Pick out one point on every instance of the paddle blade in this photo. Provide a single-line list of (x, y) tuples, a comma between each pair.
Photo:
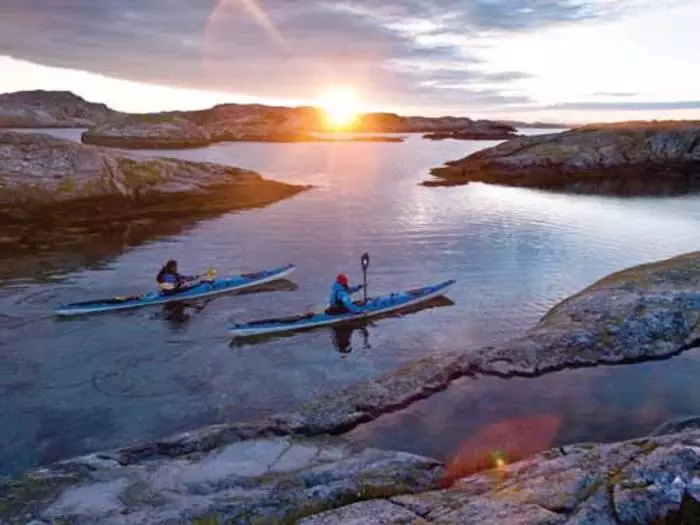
[(364, 260)]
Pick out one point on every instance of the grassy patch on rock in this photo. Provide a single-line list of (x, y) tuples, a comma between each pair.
[(141, 173)]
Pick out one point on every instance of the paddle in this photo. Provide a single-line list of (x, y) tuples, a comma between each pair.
[(364, 261), (210, 276)]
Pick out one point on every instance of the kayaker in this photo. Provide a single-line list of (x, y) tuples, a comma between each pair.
[(169, 279), (339, 300)]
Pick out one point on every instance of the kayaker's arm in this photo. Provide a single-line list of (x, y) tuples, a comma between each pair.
[(345, 298), (354, 289)]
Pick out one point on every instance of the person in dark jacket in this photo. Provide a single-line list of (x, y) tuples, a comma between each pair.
[(339, 300), (170, 280)]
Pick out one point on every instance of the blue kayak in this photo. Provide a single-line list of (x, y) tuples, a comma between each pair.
[(205, 288), (374, 307)]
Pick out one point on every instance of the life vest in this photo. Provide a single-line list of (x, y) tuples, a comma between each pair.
[(166, 280), (337, 301)]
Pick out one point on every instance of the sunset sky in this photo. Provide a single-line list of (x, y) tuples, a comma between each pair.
[(565, 60)]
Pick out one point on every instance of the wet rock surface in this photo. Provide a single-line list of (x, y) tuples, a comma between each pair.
[(326, 481), (634, 158), (275, 480), (646, 480)]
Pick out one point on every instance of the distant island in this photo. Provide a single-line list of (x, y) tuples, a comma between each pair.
[(227, 122), (623, 158)]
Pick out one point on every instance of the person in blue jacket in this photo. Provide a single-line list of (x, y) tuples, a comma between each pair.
[(170, 280), (339, 300)]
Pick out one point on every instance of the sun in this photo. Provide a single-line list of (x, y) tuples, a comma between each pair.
[(341, 107)]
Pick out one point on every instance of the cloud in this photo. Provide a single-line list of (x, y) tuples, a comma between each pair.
[(618, 94), (492, 15), (628, 106), (397, 51)]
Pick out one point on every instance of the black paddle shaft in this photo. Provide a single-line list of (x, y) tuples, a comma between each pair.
[(365, 264)]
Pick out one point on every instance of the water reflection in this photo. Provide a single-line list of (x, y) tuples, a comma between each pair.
[(501, 442), (341, 337), (177, 314), (59, 251), (479, 419)]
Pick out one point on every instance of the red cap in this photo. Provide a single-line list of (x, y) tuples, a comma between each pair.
[(342, 279)]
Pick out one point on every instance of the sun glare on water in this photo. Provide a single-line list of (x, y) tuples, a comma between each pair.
[(341, 107)]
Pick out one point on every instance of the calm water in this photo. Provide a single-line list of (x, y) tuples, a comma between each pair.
[(80, 385), (606, 403)]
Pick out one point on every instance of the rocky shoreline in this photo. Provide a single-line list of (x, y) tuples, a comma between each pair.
[(650, 479), (223, 123), (624, 159), (57, 192), (235, 472), (256, 123)]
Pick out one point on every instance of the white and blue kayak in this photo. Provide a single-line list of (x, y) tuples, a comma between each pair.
[(374, 307), (205, 288)]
